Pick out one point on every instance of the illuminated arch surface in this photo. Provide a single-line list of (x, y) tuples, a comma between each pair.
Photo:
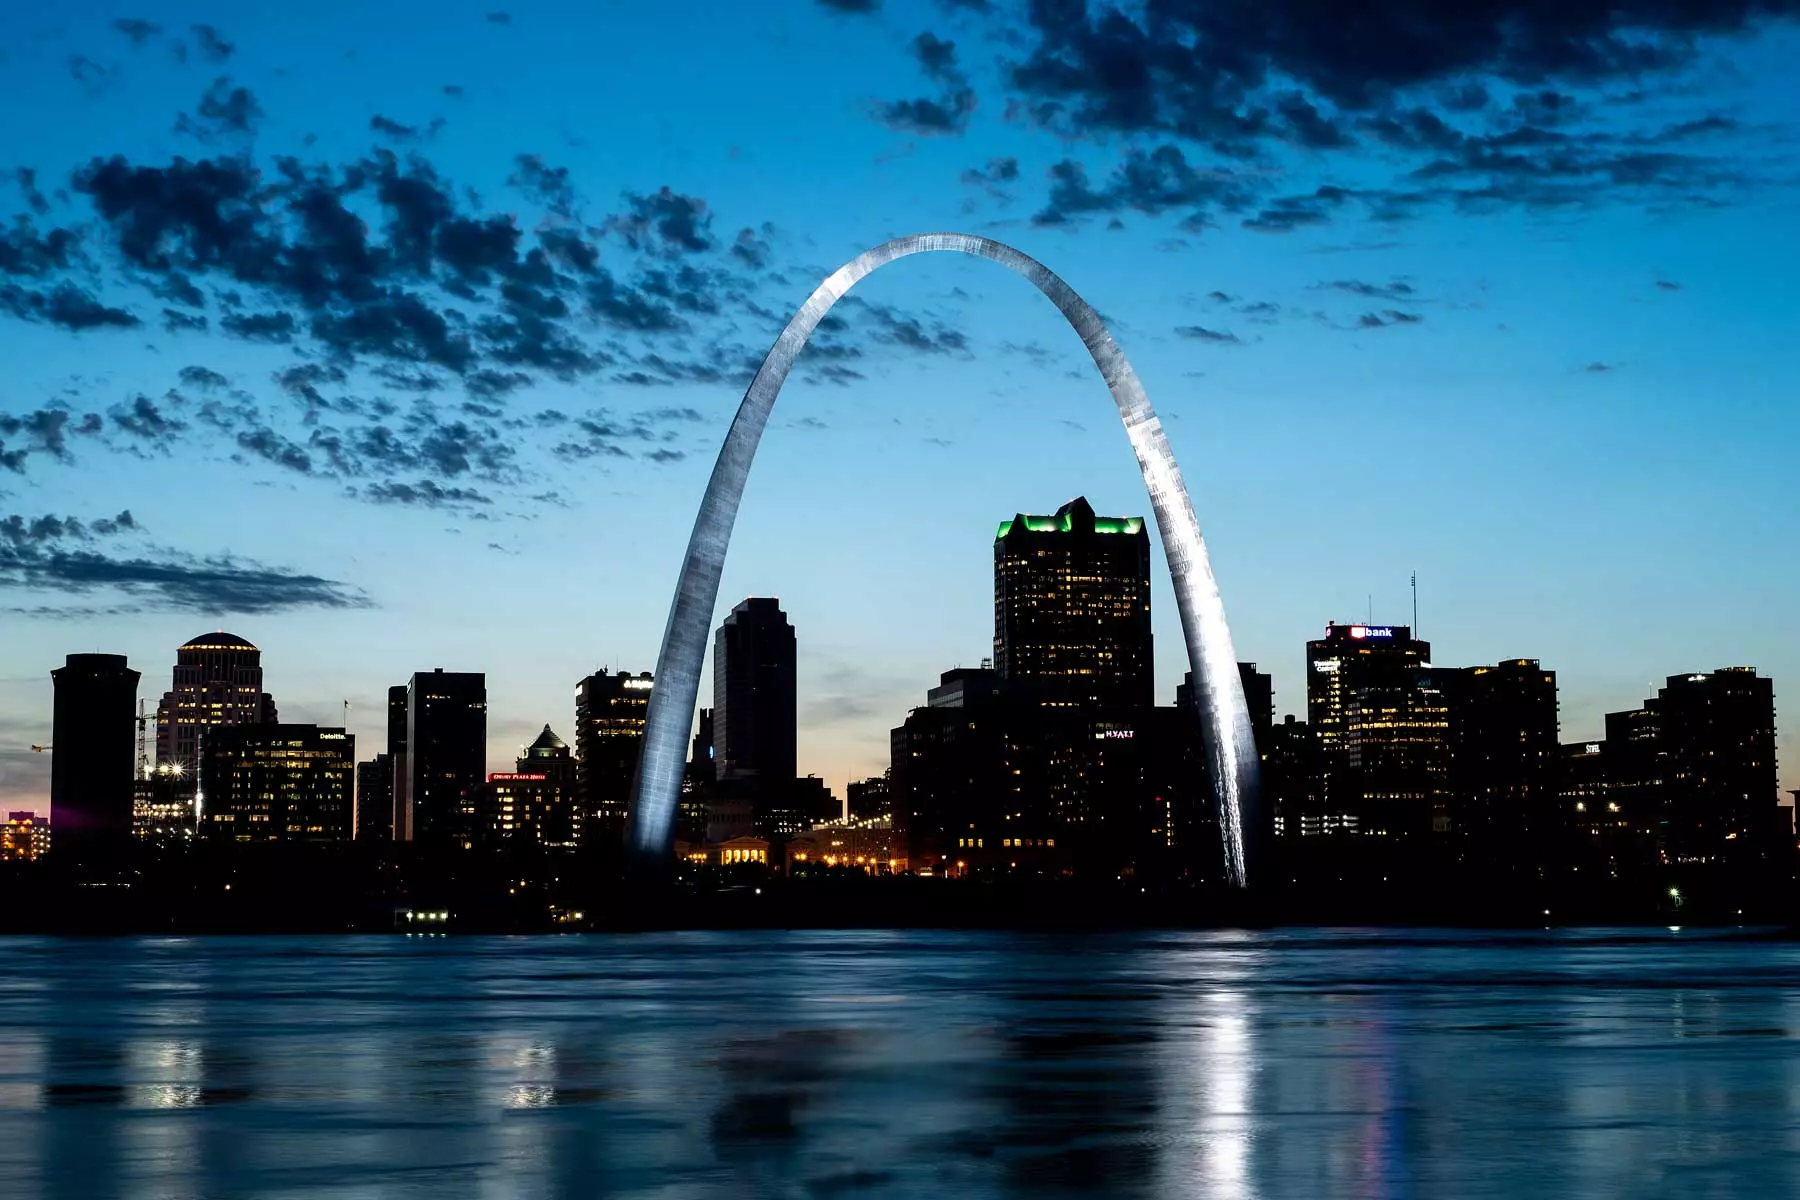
[(1218, 691)]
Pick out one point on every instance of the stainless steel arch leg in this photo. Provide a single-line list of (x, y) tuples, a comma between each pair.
[(1218, 691)]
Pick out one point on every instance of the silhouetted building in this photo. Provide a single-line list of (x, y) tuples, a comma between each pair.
[(870, 799), (1718, 765), (1072, 608), (272, 782), (755, 720), (1505, 807), (399, 765), (1292, 783), (24, 837), (610, 710), (960, 779), (375, 799), (446, 750), (535, 803), (218, 681), (92, 752)]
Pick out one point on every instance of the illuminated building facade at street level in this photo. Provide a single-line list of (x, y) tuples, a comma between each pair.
[(446, 752), (218, 680), (277, 783), (375, 799), (400, 779), (165, 805), (610, 708), (1717, 739), (1504, 751), (536, 802), (92, 751), (24, 837), (866, 844), (1230, 751), (1072, 609)]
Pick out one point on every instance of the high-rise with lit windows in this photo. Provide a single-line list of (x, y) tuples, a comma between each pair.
[(1379, 726), (610, 710), (446, 753), (218, 681), (277, 783), (1072, 608)]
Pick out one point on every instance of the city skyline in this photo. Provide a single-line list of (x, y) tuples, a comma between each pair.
[(1525, 422)]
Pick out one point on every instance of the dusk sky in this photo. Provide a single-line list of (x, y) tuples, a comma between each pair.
[(402, 335)]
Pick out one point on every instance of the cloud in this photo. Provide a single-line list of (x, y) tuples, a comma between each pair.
[(145, 422), (139, 32), (499, 18), (1386, 318), (66, 305), (549, 186), (664, 221), (946, 113), (260, 327), (59, 554), (852, 6), (394, 131), (46, 431), (1150, 182), (1667, 285), (1203, 334), (423, 494), (212, 45), (1599, 368), (1394, 290), (223, 111)]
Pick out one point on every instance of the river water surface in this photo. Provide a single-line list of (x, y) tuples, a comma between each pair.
[(1312, 1063)]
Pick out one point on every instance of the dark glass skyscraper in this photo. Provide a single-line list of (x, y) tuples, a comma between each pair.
[(1505, 807), (1718, 764), (279, 783), (1072, 608), (446, 751), (375, 799), (399, 768), (755, 726), (92, 752), (610, 709)]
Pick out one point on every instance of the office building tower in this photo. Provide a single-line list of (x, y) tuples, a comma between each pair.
[(375, 799), (1505, 807), (1072, 609), (610, 710), (165, 805), (1717, 738), (400, 780), (755, 720), (218, 681), (92, 752), (870, 799), (959, 775), (535, 803), (277, 783), (1367, 669), (446, 753), (1259, 697)]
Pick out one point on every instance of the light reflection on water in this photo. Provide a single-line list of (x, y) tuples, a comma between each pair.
[(1229, 1065)]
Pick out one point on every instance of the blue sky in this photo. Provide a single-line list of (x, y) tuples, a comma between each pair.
[(1499, 295)]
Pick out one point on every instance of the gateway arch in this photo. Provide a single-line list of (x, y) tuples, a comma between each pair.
[(1218, 691)]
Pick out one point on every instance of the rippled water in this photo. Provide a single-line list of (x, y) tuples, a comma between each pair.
[(1303, 1063)]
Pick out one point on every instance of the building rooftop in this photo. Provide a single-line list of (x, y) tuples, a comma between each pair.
[(548, 740), (217, 641), (1076, 513)]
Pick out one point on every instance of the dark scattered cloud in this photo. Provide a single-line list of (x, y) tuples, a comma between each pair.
[(1151, 182), (1387, 317), (137, 31), (1667, 285), (851, 6), (548, 185), (93, 77), (424, 494), (664, 222), (260, 327), (1599, 368), (1394, 290), (66, 304), (499, 18), (224, 110), (1201, 333), (149, 425), (43, 431), (395, 131), (213, 46), (947, 112)]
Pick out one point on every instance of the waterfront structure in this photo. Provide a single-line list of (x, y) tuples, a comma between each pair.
[(277, 783), (375, 799), (535, 803), (1227, 736), (446, 753), (92, 751), (1072, 609), (24, 837), (866, 844), (609, 735), (218, 680)]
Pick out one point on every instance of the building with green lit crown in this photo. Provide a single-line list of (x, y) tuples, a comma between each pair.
[(1072, 608)]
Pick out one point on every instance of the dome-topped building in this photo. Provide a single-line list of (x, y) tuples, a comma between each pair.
[(218, 681)]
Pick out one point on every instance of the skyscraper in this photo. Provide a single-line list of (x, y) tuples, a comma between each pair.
[(1505, 750), (218, 681), (1718, 756), (375, 799), (446, 752), (400, 777), (755, 722), (92, 752), (609, 734), (273, 782), (1072, 608), (1370, 677)]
